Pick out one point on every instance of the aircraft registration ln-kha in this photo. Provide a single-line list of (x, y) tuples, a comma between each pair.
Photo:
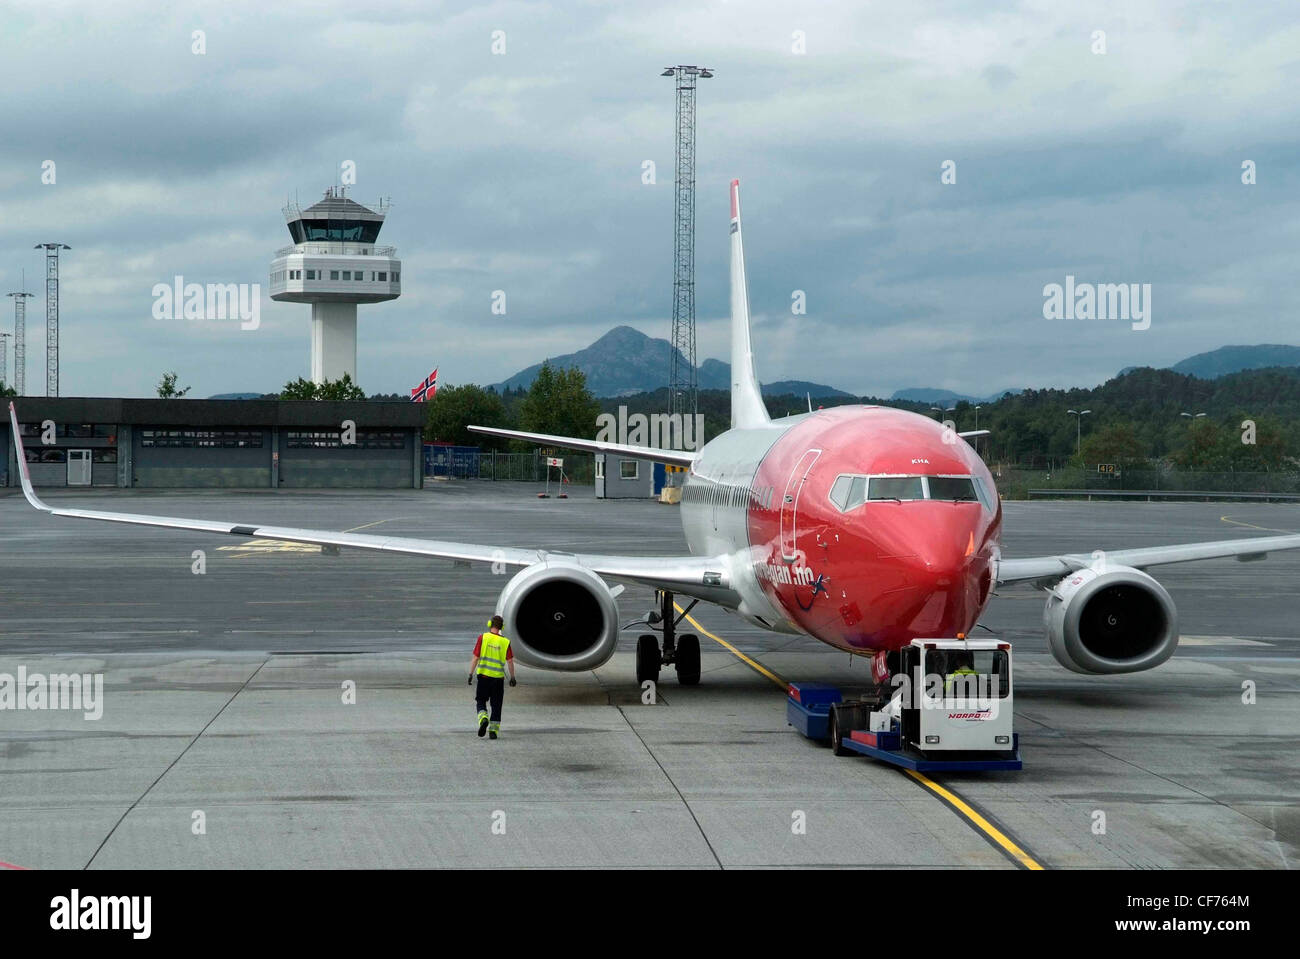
[(862, 526)]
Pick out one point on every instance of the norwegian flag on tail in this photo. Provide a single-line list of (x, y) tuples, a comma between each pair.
[(426, 389)]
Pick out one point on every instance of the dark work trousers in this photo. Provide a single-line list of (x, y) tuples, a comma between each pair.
[(490, 689)]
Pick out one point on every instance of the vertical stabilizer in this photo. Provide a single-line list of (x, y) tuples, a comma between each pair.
[(747, 409)]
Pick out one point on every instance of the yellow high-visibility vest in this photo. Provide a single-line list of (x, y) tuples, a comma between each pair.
[(492, 655), (952, 677)]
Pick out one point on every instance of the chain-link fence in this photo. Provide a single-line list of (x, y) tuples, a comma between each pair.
[(1015, 482), (469, 462), (578, 468)]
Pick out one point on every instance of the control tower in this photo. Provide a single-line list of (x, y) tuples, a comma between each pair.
[(334, 264)]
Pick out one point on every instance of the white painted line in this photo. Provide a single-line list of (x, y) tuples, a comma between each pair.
[(1219, 641)]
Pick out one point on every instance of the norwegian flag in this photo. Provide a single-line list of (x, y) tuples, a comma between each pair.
[(426, 389)]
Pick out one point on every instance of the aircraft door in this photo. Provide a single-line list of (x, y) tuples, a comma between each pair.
[(790, 503)]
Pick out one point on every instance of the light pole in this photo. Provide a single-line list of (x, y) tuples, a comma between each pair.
[(1078, 430), (1191, 416), (683, 375), (936, 409), (52, 314)]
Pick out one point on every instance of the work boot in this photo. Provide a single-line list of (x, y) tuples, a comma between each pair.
[(492, 730), (492, 735), (482, 725)]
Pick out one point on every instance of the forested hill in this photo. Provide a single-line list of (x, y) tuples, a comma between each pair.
[(1134, 417)]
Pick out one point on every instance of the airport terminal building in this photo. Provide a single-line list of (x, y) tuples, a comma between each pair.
[(242, 444)]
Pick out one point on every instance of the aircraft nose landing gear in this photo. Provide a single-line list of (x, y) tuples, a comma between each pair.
[(683, 653)]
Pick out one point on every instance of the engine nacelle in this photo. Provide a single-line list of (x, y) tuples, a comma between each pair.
[(560, 616), (1118, 620)]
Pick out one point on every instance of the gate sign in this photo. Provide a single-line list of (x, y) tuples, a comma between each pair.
[(554, 461), (1105, 467)]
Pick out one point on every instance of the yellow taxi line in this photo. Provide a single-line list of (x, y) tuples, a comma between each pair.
[(958, 804), (734, 651), (265, 545), (976, 819), (1266, 529)]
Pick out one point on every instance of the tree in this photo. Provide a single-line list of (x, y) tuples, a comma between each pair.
[(339, 390), (1115, 443), (299, 389), (453, 409), (7, 390), (167, 388), (1204, 448), (560, 403), (1266, 448), (332, 390)]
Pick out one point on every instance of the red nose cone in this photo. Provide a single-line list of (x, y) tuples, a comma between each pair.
[(940, 574)]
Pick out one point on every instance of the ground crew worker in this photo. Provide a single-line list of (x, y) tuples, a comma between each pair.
[(492, 656), (963, 665)]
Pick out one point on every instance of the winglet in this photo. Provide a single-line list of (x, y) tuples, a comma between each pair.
[(23, 472), (747, 408)]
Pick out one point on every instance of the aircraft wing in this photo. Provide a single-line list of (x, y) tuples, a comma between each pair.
[(671, 457), (706, 577), (1047, 569)]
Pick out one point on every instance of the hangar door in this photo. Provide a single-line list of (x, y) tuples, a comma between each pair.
[(165, 456), (377, 459)]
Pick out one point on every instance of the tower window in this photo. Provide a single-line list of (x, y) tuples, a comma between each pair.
[(383, 277), (334, 274)]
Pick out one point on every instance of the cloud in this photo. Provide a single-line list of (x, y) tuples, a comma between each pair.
[(523, 173)]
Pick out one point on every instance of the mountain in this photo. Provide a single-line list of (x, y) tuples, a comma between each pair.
[(236, 396), (1234, 359), (922, 394), (713, 374), (801, 388), (625, 362), (622, 362)]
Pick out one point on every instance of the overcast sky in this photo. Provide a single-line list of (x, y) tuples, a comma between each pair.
[(523, 172)]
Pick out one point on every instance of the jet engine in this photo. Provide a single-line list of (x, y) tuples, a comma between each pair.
[(560, 615), (1111, 620)]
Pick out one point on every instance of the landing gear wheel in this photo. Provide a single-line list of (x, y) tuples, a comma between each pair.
[(647, 659), (688, 660), (836, 725)]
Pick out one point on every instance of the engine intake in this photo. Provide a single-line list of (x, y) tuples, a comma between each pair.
[(560, 616), (1116, 620)]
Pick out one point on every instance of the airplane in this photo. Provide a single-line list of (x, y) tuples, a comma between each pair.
[(864, 527)]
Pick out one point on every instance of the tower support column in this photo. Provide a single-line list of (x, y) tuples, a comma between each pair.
[(333, 341)]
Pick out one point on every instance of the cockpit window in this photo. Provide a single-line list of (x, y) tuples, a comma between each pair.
[(858, 492), (840, 491), (896, 487), (952, 489), (848, 492)]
